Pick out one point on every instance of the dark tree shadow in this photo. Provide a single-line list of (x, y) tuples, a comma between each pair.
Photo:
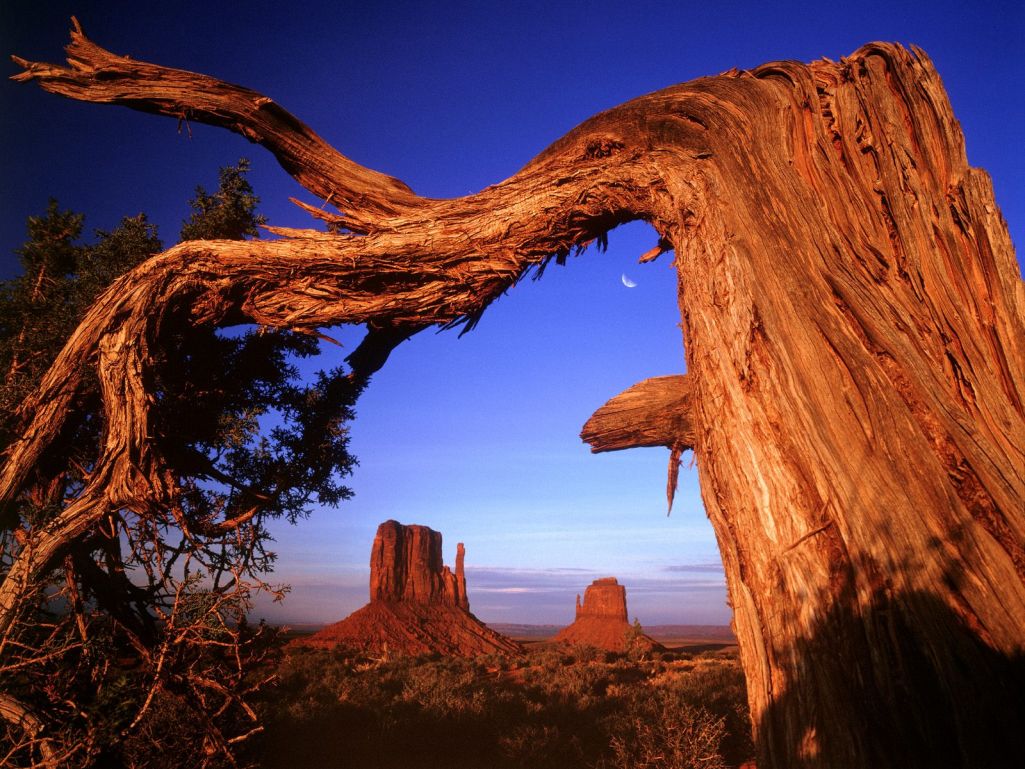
[(905, 683)]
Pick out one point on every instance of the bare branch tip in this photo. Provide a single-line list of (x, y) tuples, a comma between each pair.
[(27, 67), (650, 255)]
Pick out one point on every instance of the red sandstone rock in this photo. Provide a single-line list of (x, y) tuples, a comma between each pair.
[(405, 565), (417, 605), (384, 627), (461, 599), (602, 620), (603, 598)]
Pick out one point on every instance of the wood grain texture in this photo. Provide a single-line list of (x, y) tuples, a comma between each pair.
[(655, 412), (854, 325)]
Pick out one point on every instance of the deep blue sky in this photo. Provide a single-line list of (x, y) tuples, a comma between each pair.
[(477, 437)]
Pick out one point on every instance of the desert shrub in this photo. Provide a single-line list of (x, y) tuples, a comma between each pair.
[(540, 746), (716, 683), (172, 724), (665, 733), (555, 708), (581, 683)]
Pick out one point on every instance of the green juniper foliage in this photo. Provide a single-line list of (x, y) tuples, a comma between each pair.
[(143, 622), (60, 278), (228, 214)]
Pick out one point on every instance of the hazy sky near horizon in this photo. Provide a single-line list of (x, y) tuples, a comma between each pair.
[(477, 436)]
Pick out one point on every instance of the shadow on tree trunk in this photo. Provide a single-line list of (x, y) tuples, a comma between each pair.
[(919, 703)]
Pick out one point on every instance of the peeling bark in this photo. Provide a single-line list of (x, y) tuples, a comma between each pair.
[(854, 323)]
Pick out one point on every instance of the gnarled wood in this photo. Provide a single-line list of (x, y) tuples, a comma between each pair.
[(20, 717), (96, 75), (854, 324), (655, 412)]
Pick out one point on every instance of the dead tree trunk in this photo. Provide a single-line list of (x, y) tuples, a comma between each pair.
[(853, 320), (854, 323)]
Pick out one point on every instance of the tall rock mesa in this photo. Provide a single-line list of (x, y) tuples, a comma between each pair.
[(417, 604), (406, 566)]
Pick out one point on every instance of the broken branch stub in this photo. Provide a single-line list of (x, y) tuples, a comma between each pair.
[(655, 412)]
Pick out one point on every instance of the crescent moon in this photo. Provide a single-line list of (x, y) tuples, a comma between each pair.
[(627, 282)]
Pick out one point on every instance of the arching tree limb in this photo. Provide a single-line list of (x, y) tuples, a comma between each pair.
[(466, 253), (97, 75), (311, 280)]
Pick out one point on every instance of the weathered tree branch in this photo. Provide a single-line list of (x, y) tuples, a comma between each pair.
[(466, 252), (312, 280), (19, 716), (655, 412), (97, 75)]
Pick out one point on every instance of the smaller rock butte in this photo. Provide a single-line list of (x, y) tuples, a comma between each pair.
[(601, 620), (417, 604)]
